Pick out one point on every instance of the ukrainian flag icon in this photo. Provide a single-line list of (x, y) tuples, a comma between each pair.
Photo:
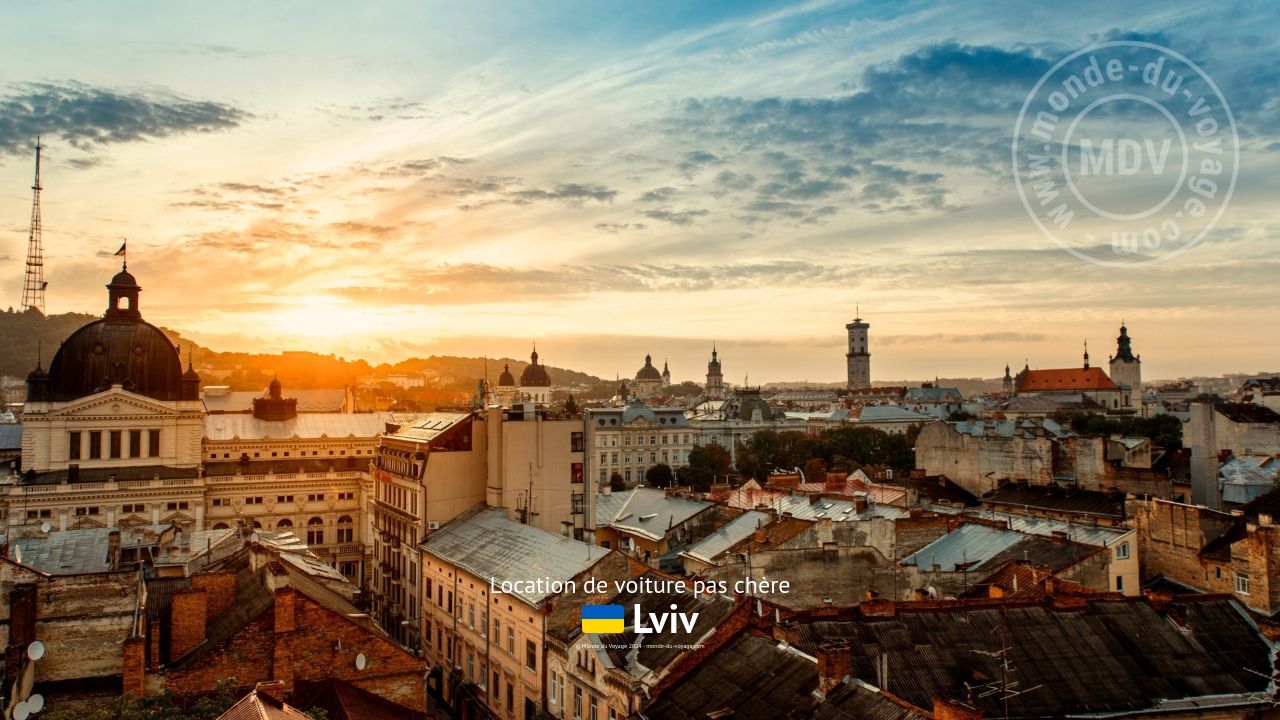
[(603, 619)]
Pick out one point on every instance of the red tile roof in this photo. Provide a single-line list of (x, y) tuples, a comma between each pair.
[(1091, 378)]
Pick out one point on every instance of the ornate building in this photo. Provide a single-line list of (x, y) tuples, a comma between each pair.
[(649, 382), (858, 357), (535, 383), (1126, 371), (715, 378), (630, 439)]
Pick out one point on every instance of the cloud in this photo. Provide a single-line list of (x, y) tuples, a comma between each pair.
[(676, 217), (615, 228), (88, 117), (657, 195), (574, 193)]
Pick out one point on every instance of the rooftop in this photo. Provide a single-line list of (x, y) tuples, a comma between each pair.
[(1100, 656), (1058, 499), (1068, 379), (218, 399), (648, 512), (979, 548), (306, 426), (84, 551), (487, 544), (712, 546)]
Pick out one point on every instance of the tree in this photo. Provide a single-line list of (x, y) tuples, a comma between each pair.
[(958, 415), (660, 476), (815, 470), (707, 464), (616, 483)]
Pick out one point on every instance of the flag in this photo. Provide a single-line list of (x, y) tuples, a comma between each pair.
[(603, 619), (120, 252)]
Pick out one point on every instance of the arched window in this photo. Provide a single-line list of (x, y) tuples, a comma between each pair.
[(346, 529), (284, 523), (221, 526), (315, 531), (257, 525)]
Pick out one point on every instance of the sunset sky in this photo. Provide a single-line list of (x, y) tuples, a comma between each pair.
[(387, 180)]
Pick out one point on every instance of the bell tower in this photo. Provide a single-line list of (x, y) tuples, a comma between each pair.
[(1126, 370), (858, 356)]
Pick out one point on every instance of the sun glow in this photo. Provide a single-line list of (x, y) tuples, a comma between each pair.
[(322, 316)]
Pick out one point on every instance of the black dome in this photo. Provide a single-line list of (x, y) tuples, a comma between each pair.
[(133, 353), (121, 348), (506, 379), (534, 375), (648, 372)]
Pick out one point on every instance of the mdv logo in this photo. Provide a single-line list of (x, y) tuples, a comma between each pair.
[(1123, 156), (664, 621)]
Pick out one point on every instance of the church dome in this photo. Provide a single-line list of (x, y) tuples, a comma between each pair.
[(121, 348), (648, 372), (506, 379), (535, 375)]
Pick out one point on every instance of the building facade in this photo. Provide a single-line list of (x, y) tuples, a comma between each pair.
[(630, 439)]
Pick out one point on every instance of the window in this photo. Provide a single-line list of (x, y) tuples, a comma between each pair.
[(221, 526), (1119, 583), (95, 445), (511, 697), (221, 502), (346, 529), (73, 445), (315, 497), (497, 628), (594, 714), (182, 505), (346, 496), (133, 508), (1122, 551), (284, 523), (82, 511), (153, 443), (253, 500), (484, 623), (135, 443), (116, 438), (575, 442), (575, 472), (530, 655), (555, 677), (577, 701), (1242, 583), (35, 515), (284, 498), (315, 531), (511, 641)]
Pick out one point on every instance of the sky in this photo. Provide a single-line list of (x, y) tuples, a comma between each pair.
[(388, 180)]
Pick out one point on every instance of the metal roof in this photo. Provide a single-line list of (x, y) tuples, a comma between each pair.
[(10, 436), (75, 552), (491, 546), (650, 512), (968, 544), (732, 532), (1098, 535), (305, 426), (429, 426)]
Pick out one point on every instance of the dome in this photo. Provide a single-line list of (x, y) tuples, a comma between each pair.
[(506, 379), (535, 375), (121, 348), (132, 353), (648, 372)]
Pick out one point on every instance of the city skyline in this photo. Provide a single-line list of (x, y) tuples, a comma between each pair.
[(611, 182)]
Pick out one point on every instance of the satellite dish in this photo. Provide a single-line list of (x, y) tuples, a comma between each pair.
[(35, 650), (35, 703), (360, 661), (45, 527), (21, 711)]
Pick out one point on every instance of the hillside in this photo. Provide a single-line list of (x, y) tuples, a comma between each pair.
[(23, 333)]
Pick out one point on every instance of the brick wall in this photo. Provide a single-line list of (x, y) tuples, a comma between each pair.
[(134, 670), (189, 612), (220, 587)]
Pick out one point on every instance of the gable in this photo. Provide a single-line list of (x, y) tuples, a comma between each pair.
[(114, 403)]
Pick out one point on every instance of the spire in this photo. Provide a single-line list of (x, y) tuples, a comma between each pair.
[(1124, 348), (1086, 354), (33, 284)]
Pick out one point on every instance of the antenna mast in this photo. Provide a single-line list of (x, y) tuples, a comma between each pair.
[(33, 284)]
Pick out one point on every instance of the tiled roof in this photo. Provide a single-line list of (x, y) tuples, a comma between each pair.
[(1248, 413), (1090, 378), (260, 706), (489, 545), (344, 701), (859, 701)]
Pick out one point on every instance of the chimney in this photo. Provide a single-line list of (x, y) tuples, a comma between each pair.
[(273, 689), (759, 536), (113, 550), (947, 709), (835, 665), (188, 612), (134, 668)]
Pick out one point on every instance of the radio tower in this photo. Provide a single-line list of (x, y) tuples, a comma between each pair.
[(34, 284)]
